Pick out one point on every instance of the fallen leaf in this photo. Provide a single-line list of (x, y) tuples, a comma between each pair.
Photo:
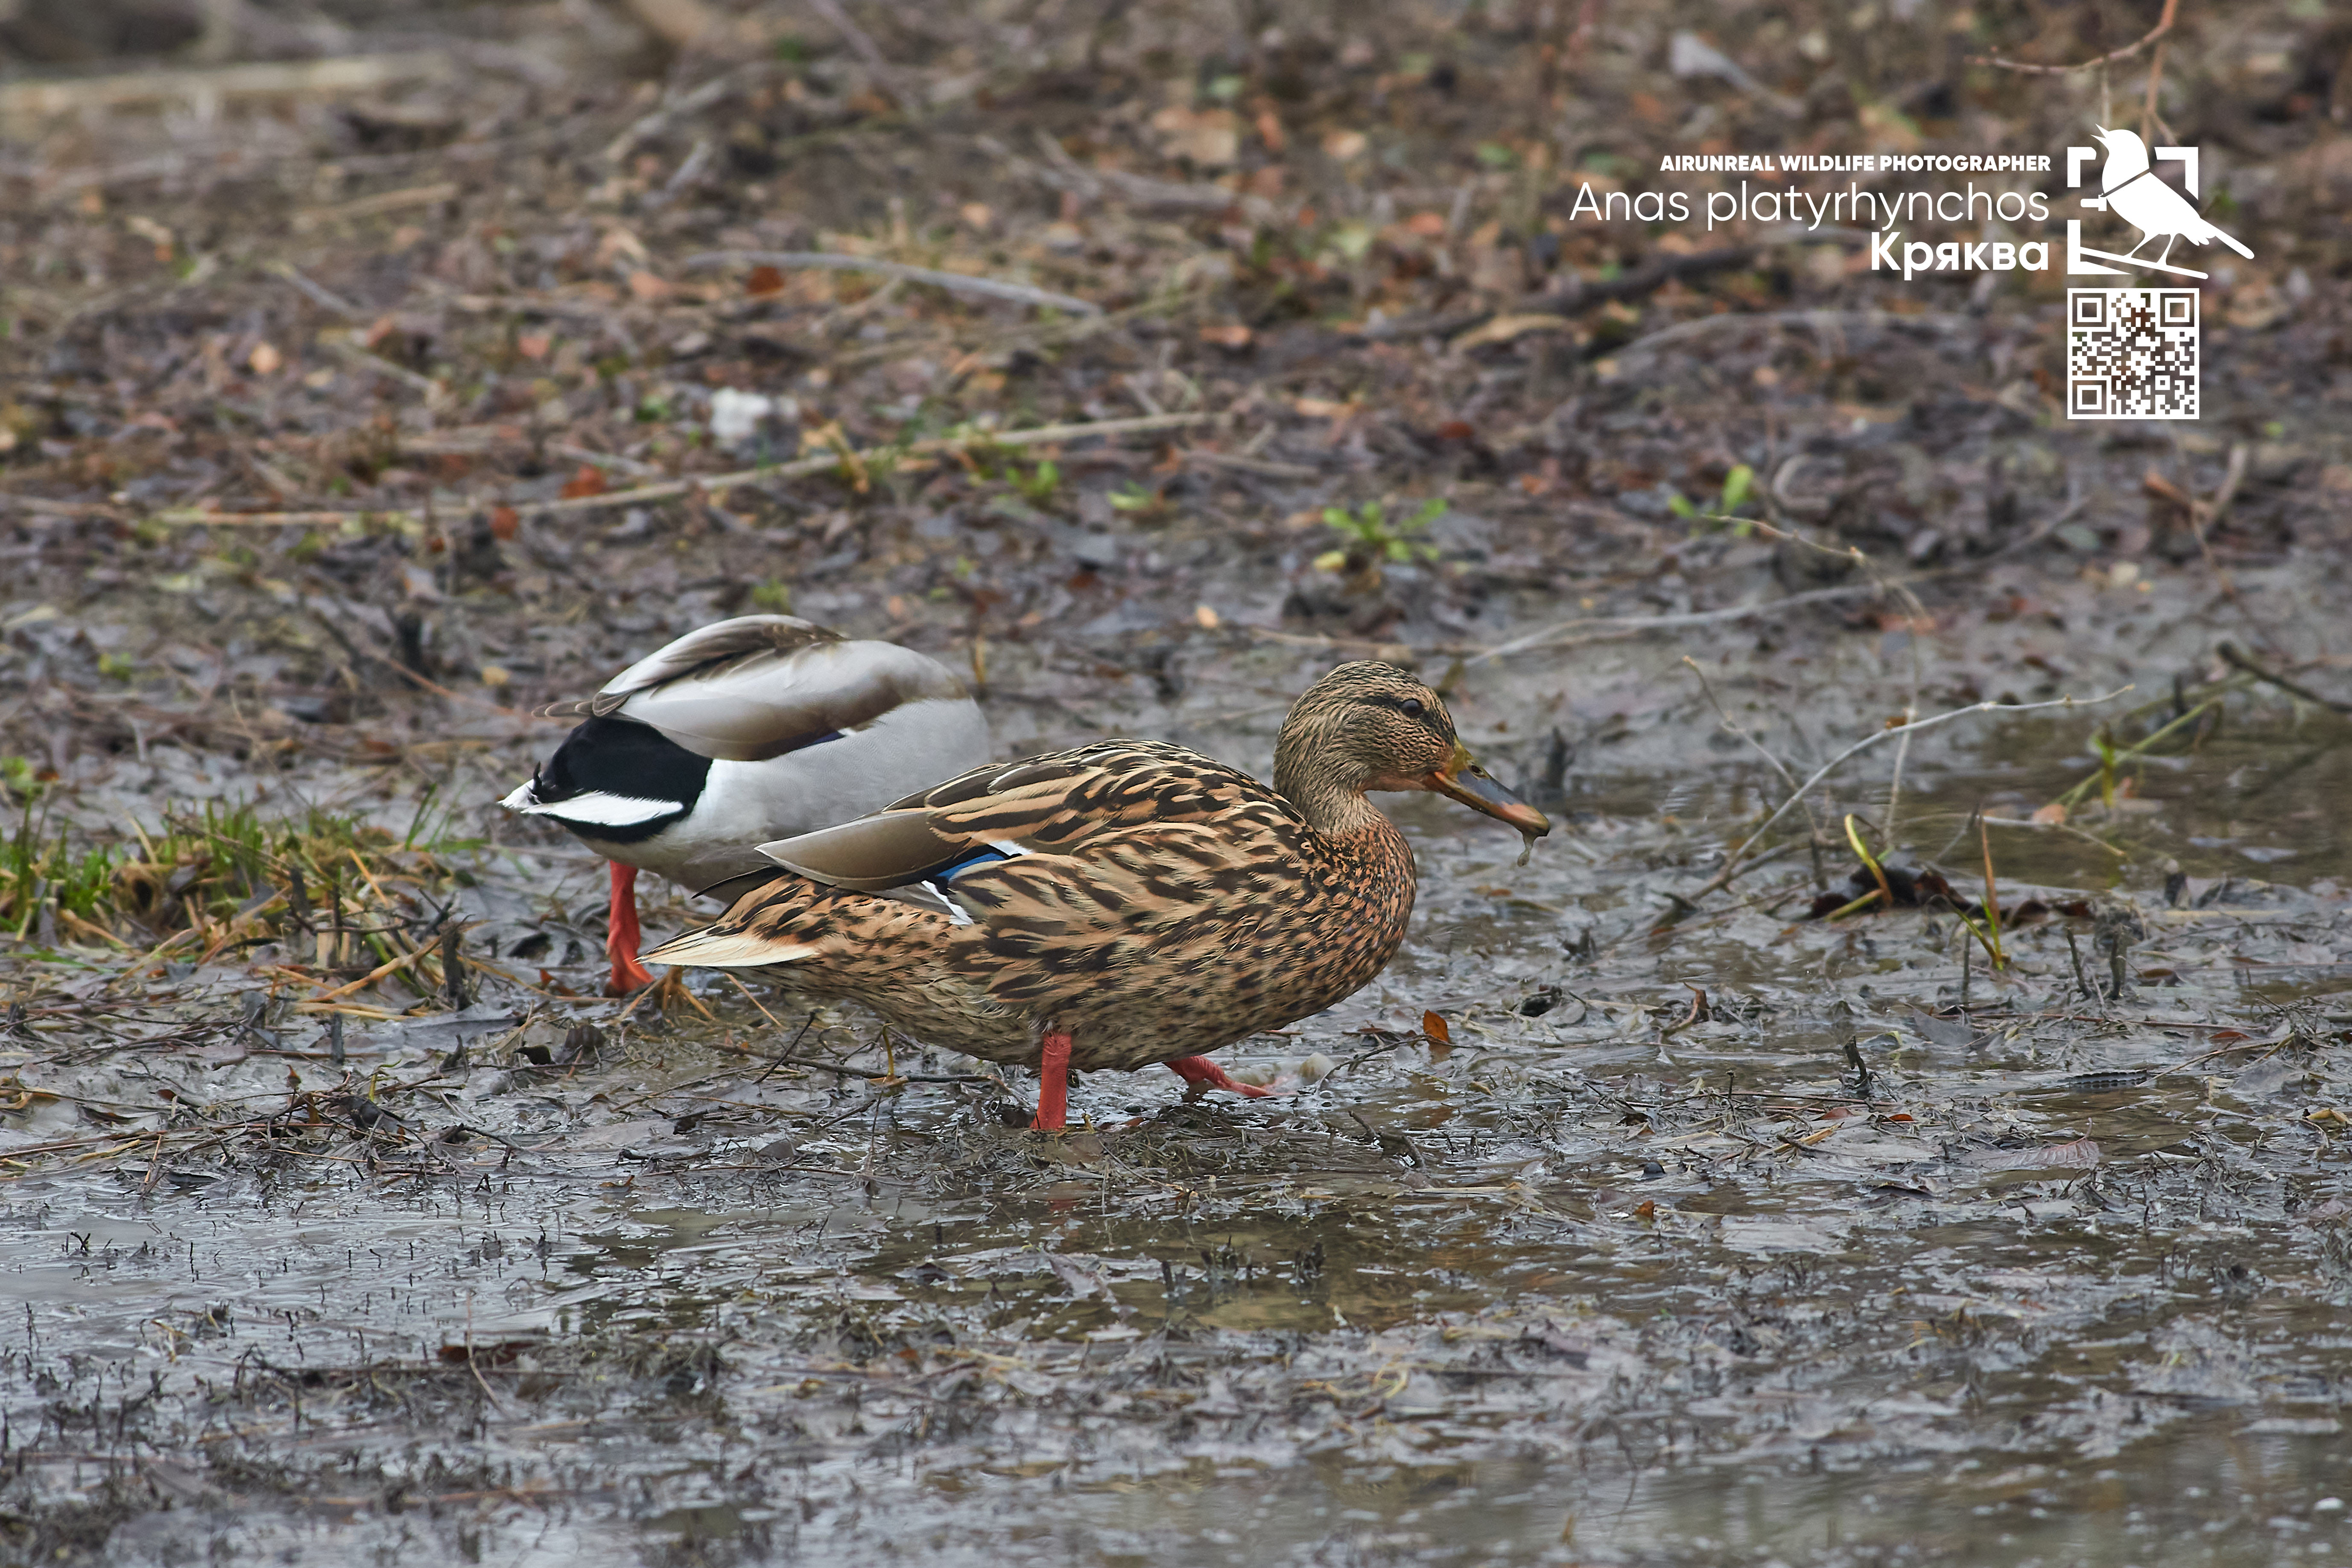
[(2050, 816), (533, 346), (505, 522), (1227, 335), (648, 287), (1345, 145), (1205, 617), (1270, 131), (1433, 1025), (1429, 225), (1209, 138), (265, 359), (620, 244), (155, 234), (763, 279), (589, 481)]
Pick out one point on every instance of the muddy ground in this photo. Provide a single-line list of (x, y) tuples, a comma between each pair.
[(1654, 1207)]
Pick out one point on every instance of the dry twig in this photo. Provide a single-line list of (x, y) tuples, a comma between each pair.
[(2163, 25), (670, 489), (954, 282)]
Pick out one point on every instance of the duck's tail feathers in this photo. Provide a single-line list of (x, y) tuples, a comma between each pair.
[(718, 947), (771, 922)]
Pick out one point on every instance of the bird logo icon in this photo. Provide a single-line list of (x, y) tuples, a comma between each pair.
[(2128, 188)]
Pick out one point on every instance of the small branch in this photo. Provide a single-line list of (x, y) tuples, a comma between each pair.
[(1778, 766), (2163, 25), (1915, 725), (671, 489), (380, 972), (2139, 748), (1597, 628), (819, 1065), (954, 282), (862, 44), (2235, 655), (1735, 727), (1702, 326), (1610, 626), (2069, 830), (372, 206), (2148, 109), (425, 387), (354, 73), (323, 298), (682, 107)]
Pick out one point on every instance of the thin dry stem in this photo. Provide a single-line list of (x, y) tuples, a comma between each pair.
[(2163, 25)]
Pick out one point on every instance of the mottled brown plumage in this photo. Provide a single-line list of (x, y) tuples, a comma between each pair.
[(1143, 900)]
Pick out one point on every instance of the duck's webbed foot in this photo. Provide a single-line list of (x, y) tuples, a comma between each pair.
[(1205, 1074)]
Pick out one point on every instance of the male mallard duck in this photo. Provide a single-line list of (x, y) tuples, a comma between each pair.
[(1121, 903), (739, 731)]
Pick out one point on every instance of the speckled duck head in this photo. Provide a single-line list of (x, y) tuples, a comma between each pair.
[(1371, 726)]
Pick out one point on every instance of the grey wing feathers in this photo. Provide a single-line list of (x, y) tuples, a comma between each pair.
[(871, 855), (759, 687), (706, 651)]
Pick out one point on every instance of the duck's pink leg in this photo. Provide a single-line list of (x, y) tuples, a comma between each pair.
[(1207, 1074), (1053, 1084), (622, 935)]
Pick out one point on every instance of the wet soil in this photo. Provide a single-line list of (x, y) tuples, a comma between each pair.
[(1635, 1215)]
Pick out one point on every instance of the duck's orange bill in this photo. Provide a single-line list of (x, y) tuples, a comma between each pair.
[(1477, 788)]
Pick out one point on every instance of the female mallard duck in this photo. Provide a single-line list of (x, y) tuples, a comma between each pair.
[(1121, 903), (746, 729)]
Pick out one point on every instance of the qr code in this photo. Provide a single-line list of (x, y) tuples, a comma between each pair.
[(2131, 353)]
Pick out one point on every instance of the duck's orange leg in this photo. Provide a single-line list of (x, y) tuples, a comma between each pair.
[(1053, 1084), (622, 935), (1207, 1074)]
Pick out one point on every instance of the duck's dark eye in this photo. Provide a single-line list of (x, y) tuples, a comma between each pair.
[(1411, 708)]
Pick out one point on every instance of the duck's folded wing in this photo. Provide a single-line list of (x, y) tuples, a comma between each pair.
[(1058, 803), (759, 687), (708, 651)]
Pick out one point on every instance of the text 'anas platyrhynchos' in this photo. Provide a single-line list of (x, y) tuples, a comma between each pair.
[(747, 730), (1121, 903)]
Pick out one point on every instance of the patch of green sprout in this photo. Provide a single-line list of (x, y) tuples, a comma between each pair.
[(1370, 532), (1139, 499), (1038, 485), (1739, 490)]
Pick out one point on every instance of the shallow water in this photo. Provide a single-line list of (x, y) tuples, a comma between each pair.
[(1622, 1279)]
